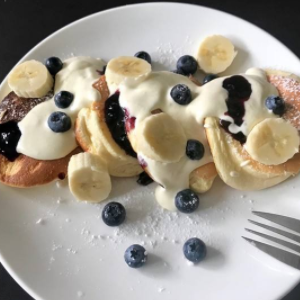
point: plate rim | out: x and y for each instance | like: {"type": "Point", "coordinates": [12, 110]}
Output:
{"type": "Point", "coordinates": [6, 263]}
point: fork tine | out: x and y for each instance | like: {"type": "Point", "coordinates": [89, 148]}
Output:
{"type": "Point", "coordinates": [292, 236]}
{"type": "Point", "coordinates": [276, 240]}
{"type": "Point", "coordinates": [287, 222]}
{"type": "Point", "coordinates": [286, 257]}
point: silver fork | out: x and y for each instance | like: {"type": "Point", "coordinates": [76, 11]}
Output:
{"type": "Point", "coordinates": [286, 257]}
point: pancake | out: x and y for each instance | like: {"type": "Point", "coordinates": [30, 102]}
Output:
{"type": "Point", "coordinates": [25, 172]}
{"type": "Point", "coordinates": [93, 135]}
{"type": "Point", "coordinates": [15, 108]}
{"type": "Point", "coordinates": [234, 165]}
{"type": "Point", "coordinates": [202, 179]}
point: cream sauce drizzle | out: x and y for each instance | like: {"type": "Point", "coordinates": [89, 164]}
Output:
{"type": "Point", "coordinates": [38, 140]}
{"type": "Point", "coordinates": [152, 92]}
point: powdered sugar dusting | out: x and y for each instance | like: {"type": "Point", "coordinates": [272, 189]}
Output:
{"type": "Point", "coordinates": [286, 86]}
{"type": "Point", "coordinates": [149, 225]}
{"type": "Point", "coordinates": [289, 90]}
{"type": "Point", "coordinates": [167, 53]}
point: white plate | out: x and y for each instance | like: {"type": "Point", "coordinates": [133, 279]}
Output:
{"type": "Point", "coordinates": [62, 250]}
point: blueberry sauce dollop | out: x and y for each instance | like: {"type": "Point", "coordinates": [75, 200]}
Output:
{"type": "Point", "coordinates": [115, 121]}
{"type": "Point", "coordinates": [9, 138]}
{"type": "Point", "coordinates": [239, 91]}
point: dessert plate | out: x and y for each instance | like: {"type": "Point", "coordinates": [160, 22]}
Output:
{"type": "Point", "coordinates": [57, 248]}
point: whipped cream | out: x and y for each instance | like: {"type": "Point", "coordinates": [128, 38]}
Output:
{"type": "Point", "coordinates": [152, 92]}
{"type": "Point", "coordinates": [38, 140]}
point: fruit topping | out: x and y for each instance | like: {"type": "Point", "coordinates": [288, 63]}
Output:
{"type": "Point", "coordinates": [59, 122]}
{"type": "Point", "coordinates": [30, 79]}
{"type": "Point", "coordinates": [215, 54]}
{"type": "Point", "coordinates": [142, 162]}
{"type": "Point", "coordinates": [63, 99]}
{"type": "Point", "coordinates": [144, 179]}
{"type": "Point", "coordinates": [161, 138]}
{"type": "Point", "coordinates": [181, 94]}
{"type": "Point", "coordinates": [237, 136]}
{"type": "Point", "coordinates": [239, 91]}
{"type": "Point", "coordinates": [273, 141]}
{"type": "Point", "coordinates": [187, 65]}
{"type": "Point", "coordinates": [143, 55]}
{"type": "Point", "coordinates": [88, 177]}
{"type": "Point", "coordinates": [187, 201]}
{"type": "Point", "coordinates": [194, 250]}
{"type": "Point", "coordinates": [130, 123]}
{"type": "Point", "coordinates": [9, 138]}
{"type": "Point", "coordinates": [135, 256]}
{"type": "Point", "coordinates": [276, 104]}
{"type": "Point", "coordinates": [54, 65]}
{"type": "Point", "coordinates": [114, 117]}
{"type": "Point", "coordinates": [194, 150]}
{"type": "Point", "coordinates": [125, 68]}
{"type": "Point", "coordinates": [238, 87]}
{"type": "Point", "coordinates": [113, 214]}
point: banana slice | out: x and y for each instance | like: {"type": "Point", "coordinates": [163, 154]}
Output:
{"type": "Point", "coordinates": [30, 79]}
{"type": "Point", "coordinates": [125, 67]}
{"type": "Point", "coordinates": [161, 138]}
{"type": "Point", "coordinates": [273, 142]}
{"type": "Point", "coordinates": [88, 177]}
{"type": "Point", "coordinates": [215, 54]}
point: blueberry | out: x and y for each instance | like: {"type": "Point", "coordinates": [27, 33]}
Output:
{"type": "Point", "coordinates": [59, 122]}
{"type": "Point", "coordinates": [187, 201]}
{"type": "Point", "coordinates": [143, 55]}
{"type": "Point", "coordinates": [194, 150]}
{"type": "Point", "coordinates": [144, 179]}
{"type": "Point", "coordinates": [113, 214]}
{"type": "Point", "coordinates": [276, 104]}
{"type": "Point", "coordinates": [187, 65]}
{"type": "Point", "coordinates": [135, 256]}
{"type": "Point", "coordinates": [63, 99]}
{"type": "Point", "coordinates": [194, 250]}
{"type": "Point", "coordinates": [181, 94]}
{"type": "Point", "coordinates": [54, 65]}
{"type": "Point", "coordinates": [209, 77]}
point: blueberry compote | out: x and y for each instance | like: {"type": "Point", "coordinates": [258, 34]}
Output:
{"type": "Point", "coordinates": [239, 91]}
{"type": "Point", "coordinates": [9, 138]}
{"type": "Point", "coordinates": [115, 120]}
